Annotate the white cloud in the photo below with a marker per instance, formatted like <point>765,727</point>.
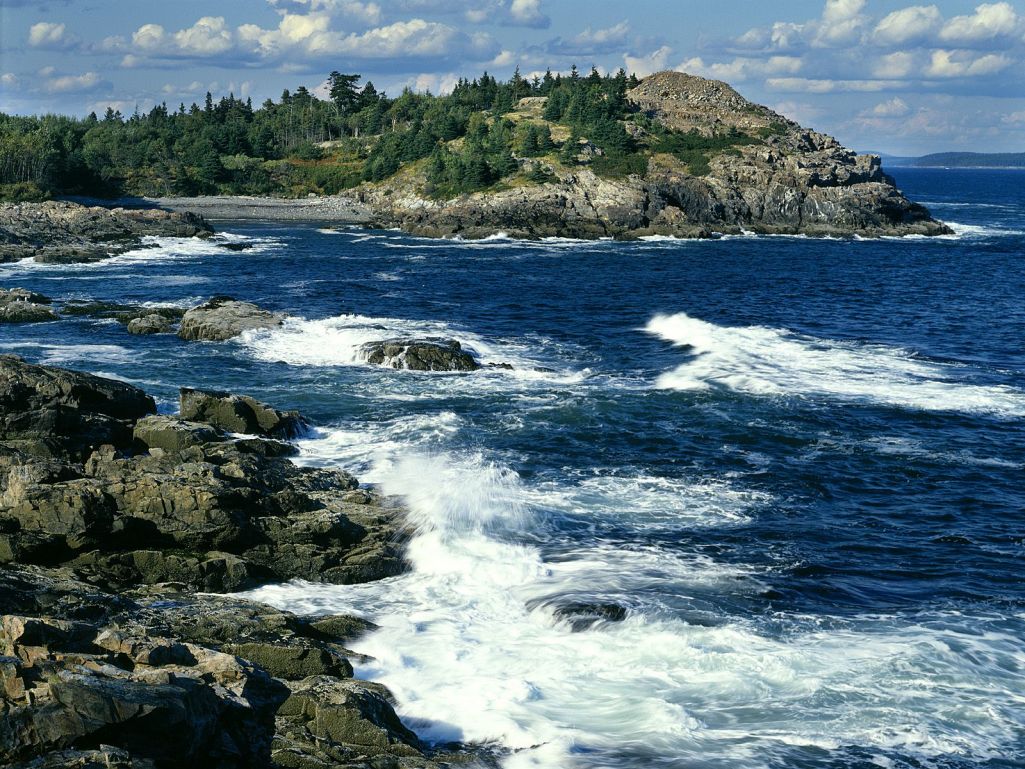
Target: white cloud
<point>1015,118</point>
<point>743,69</point>
<point>842,22</point>
<point>149,37</point>
<point>528,13</point>
<point>990,21</point>
<point>207,37</point>
<point>895,65</point>
<point>653,62</point>
<point>949,64</point>
<point>9,80</point>
<point>614,35</point>
<point>892,108</point>
<point>824,85</point>
<point>908,25</point>
<point>47,34</point>
<point>73,83</point>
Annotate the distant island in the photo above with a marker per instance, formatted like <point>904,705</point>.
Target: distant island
<point>575,155</point>
<point>959,160</point>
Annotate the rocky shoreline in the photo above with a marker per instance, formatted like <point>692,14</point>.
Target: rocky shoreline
<point>113,523</point>
<point>61,232</point>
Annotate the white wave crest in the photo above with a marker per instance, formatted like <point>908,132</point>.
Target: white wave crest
<point>473,648</point>
<point>769,361</point>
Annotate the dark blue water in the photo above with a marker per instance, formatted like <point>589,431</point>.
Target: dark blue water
<point>798,464</point>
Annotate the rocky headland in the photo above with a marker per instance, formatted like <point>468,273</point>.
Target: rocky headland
<point>790,181</point>
<point>113,522</point>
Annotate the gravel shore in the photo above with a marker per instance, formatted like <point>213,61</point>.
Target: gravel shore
<point>328,210</point>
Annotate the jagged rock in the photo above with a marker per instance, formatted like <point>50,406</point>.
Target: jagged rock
<point>58,413</point>
<point>175,680</point>
<point>165,701</point>
<point>240,414</point>
<point>18,305</point>
<point>292,662</point>
<point>149,324</point>
<point>343,627</point>
<point>338,720</point>
<point>224,318</point>
<point>173,435</point>
<point>58,231</point>
<point>420,355</point>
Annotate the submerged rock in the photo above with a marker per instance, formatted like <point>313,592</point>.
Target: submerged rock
<point>18,305</point>
<point>224,318</point>
<point>420,355</point>
<point>584,615</point>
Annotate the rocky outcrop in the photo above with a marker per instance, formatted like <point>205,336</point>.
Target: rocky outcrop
<point>240,414</point>
<point>17,305</point>
<point>224,318</point>
<point>54,413</point>
<point>61,232</point>
<point>93,679</point>
<point>90,478</point>
<point>783,180</point>
<point>153,323</point>
<point>420,355</point>
<point>111,518</point>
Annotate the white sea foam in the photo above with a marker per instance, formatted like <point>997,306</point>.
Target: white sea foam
<point>769,361</point>
<point>153,250</point>
<point>63,354</point>
<point>472,647</point>
<point>340,341</point>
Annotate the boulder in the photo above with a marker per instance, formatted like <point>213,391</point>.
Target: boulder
<point>420,355</point>
<point>173,435</point>
<point>59,413</point>
<point>150,324</point>
<point>341,719</point>
<point>17,305</point>
<point>240,414</point>
<point>224,318</point>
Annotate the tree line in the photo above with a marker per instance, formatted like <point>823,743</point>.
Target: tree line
<point>302,143</point>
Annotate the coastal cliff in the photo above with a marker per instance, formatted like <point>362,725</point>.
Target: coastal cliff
<point>777,178</point>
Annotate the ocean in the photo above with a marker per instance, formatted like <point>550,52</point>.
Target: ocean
<point>785,476</point>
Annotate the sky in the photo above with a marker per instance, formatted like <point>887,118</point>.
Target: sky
<point>880,75</point>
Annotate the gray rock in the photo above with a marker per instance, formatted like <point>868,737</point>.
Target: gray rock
<point>55,412</point>
<point>224,318</point>
<point>150,324</point>
<point>240,414</point>
<point>18,305</point>
<point>420,355</point>
<point>62,232</point>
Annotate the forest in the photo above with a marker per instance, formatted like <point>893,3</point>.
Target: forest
<point>304,144</point>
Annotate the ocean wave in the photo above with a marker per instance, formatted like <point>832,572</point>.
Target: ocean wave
<point>340,341</point>
<point>63,354</point>
<point>769,361</point>
<point>473,646</point>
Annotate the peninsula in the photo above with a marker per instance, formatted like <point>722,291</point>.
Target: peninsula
<point>570,156</point>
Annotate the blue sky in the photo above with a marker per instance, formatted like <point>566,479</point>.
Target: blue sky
<point>898,76</point>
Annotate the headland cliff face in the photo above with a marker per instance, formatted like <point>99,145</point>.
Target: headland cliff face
<point>791,180</point>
